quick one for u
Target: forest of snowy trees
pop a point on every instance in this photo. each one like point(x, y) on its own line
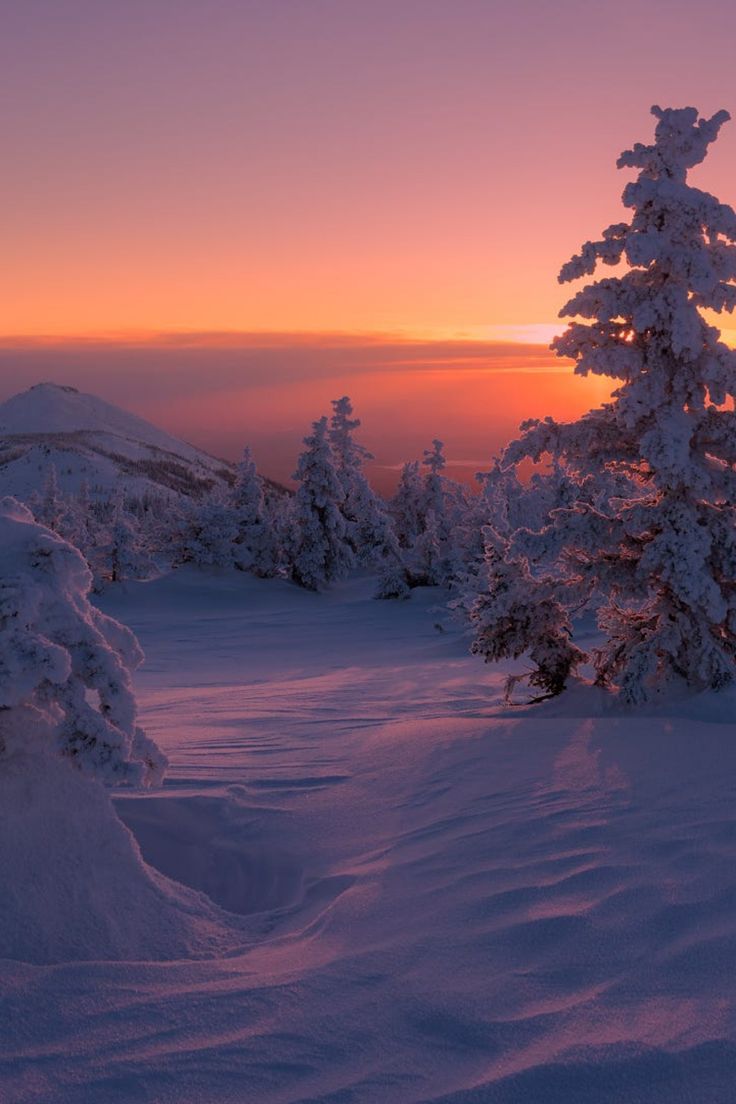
point(629, 513)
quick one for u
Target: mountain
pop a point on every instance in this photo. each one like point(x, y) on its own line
point(89, 439)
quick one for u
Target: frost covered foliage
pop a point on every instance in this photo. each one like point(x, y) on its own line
point(368, 527)
point(65, 666)
point(320, 552)
point(255, 541)
point(665, 559)
point(517, 613)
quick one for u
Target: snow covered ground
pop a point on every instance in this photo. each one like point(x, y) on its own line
point(444, 899)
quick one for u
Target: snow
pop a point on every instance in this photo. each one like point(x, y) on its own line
point(107, 904)
point(439, 898)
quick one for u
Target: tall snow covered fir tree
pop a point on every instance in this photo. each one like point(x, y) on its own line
point(407, 505)
point(320, 551)
point(255, 543)
point(369, 530)
point(665, 559)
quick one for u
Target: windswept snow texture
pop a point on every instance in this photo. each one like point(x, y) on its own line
point(443, 900)
point(90, 439)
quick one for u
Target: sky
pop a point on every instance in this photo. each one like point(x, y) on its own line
point(224, 213)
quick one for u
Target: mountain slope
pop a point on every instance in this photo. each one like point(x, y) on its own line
point(89, 439)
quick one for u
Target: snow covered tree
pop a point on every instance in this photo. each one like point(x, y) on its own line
point(255, 544)
point(50, 508)
point(665, 559)
point(369, 529)
point(121, 553)
point(208, 533)
point(407, 505)
point(430, 513)
point(516, 613)
point(64, 666)
point(320, 551)
point(437, 557)
point(81, 519)
point(434, 460)
point(394, 580)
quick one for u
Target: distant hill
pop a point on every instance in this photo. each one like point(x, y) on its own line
point(90, 439)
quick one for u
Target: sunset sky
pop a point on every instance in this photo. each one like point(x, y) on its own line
point(181, 178)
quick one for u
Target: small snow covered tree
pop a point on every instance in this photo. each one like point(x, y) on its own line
point(208, 533)
point(120, 554)
point(81, 522)
point(369, 529)
point(393, 579)
point(50, 507)
point(665, 560)
point(437, 557)
point(320, 551)
point(430, 514)
point(255, 543)
point(64, 666)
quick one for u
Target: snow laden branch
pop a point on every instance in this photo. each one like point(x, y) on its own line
point(64, 666)
point(662, 557)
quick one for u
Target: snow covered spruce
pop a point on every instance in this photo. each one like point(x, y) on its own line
point(68, 723)
point(662, 558)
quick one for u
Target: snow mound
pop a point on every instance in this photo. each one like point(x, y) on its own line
point(216, 847)
point(74, 884)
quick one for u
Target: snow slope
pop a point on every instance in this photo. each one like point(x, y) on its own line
point(446, 900)
point(87, 438)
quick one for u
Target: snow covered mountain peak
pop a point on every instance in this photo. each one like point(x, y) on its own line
point(87, 438)
point(59, 408)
